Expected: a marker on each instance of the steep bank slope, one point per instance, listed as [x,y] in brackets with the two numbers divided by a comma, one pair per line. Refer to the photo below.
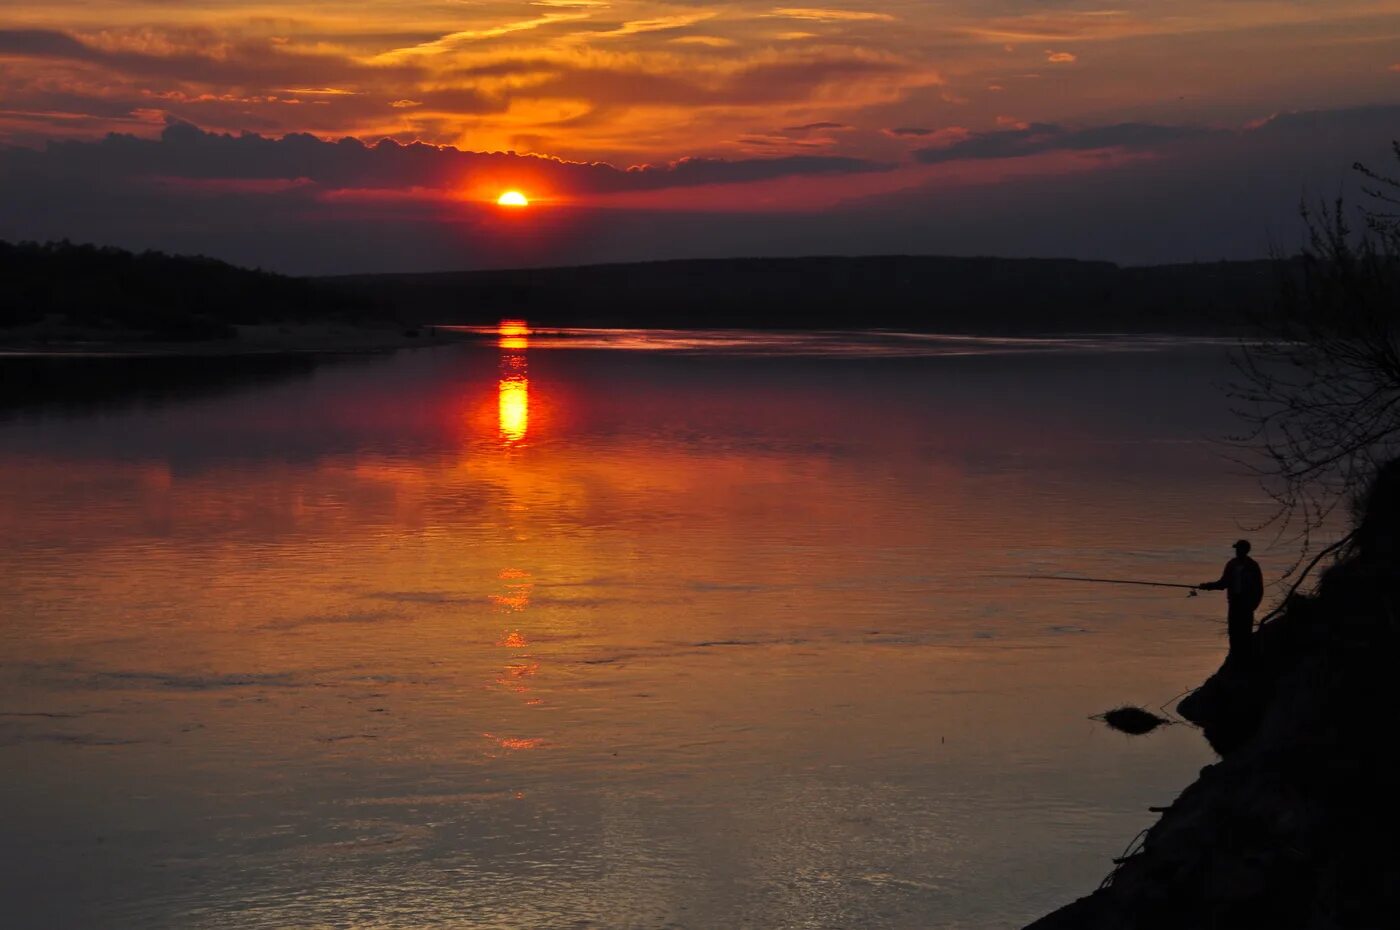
[1295,827]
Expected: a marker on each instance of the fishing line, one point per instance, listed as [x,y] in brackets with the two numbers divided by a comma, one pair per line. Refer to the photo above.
[1151,584]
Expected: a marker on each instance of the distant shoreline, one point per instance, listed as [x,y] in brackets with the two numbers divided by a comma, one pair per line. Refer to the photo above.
[77,299]
[349,340]
[913,293]
[304,339]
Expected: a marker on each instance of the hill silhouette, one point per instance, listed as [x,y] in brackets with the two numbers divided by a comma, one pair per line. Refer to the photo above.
[935,294]
[62,292]
[87,291]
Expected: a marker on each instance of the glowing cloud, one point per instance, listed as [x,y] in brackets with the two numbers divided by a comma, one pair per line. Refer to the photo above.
[822,15]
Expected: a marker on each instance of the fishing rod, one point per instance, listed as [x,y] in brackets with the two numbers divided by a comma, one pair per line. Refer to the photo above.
[1150,584]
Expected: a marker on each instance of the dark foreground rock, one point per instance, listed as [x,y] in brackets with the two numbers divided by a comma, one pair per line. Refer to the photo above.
[1297,825]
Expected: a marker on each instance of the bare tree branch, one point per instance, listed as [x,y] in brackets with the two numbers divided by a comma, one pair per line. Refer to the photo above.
[1319,395]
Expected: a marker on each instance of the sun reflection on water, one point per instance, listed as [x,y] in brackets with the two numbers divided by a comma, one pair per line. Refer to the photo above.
[515,408]
[513,639]
[514,387]
[518,670]
[514,334]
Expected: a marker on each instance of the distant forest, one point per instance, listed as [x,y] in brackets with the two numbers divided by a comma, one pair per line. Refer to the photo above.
[115,294]
[921,293]
[97,292]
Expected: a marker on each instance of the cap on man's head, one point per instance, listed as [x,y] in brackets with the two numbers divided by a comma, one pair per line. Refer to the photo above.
[1242,546]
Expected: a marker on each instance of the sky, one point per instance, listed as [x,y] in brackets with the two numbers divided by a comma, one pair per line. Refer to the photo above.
[375,135]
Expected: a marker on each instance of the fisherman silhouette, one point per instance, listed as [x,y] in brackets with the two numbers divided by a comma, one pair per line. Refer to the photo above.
[1243,584]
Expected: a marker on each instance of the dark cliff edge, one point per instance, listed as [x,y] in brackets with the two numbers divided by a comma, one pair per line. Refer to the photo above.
[1296,825]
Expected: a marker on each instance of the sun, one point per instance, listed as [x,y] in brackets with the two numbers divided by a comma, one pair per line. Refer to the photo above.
[512,199]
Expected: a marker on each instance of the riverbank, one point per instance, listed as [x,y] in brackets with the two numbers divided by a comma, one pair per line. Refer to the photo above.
[1294,826]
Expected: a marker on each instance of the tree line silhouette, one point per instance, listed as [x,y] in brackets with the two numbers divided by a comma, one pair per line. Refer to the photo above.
[123,294]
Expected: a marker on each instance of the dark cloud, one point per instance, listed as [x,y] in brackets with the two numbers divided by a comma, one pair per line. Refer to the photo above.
[1302,122]
[909,132]
[185,152]
[1215,195]
[41,43]
[1038,138]
[813,127]
[693,171]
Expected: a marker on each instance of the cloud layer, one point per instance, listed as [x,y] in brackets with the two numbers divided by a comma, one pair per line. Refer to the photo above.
[1126,192]
[183,152]
[1039,138]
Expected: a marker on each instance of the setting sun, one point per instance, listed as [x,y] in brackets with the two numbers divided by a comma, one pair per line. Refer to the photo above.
[512,199]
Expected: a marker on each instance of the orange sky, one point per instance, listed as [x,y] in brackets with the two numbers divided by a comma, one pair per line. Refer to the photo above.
[632,81]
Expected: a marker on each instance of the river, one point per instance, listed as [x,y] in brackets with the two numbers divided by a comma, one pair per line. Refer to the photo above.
[627,629]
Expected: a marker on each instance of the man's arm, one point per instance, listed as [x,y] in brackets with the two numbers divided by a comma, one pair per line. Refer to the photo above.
[1221,584]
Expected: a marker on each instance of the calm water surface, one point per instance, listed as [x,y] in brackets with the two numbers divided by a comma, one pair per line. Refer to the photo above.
[575,630]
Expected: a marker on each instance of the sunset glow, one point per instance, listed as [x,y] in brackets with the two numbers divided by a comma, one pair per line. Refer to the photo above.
[414,116]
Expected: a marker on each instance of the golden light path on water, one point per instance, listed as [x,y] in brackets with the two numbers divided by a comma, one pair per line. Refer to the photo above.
[514,389]
[645,637]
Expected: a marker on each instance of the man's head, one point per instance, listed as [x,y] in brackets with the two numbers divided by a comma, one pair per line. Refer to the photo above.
[1242,547]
